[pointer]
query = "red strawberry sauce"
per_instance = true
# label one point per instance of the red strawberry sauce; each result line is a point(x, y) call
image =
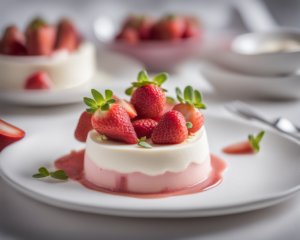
point(72, 164)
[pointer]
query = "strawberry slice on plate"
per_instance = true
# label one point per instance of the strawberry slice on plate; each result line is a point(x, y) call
point(247, 147)
point(84, 126)
point(39, 80)
point(110, 119)
point(190, 105)
point(9, 134)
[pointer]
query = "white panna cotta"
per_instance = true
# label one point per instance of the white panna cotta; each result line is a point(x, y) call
point(131, 168)
point(66, 70)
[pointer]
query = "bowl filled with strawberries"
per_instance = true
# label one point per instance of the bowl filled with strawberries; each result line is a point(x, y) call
point(45, 57)
point(160, 44)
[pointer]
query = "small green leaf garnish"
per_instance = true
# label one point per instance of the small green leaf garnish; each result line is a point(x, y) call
point(99, 102)
point(144, 144)
point(189, 125)
point(190, 97)
point(143, 80)
point(255, 141)
point(170, 100)
point(43, 172)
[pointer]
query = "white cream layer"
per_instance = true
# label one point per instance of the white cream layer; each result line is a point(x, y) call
point(65, 70)
point(126, 158)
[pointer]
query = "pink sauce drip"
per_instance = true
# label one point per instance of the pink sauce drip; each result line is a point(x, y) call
point(72, 164)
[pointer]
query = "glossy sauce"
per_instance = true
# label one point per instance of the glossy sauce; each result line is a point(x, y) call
point(72, 164)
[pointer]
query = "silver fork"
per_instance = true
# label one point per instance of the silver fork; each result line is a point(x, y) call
point(282, 124)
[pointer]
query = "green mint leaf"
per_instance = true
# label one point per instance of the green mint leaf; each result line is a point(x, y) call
point(197, 97)
point(110, 101)
point(129, 91)
point(189, 125)
point(200, 105)
point(90, 102)
point(254, 143)
point(105, 107)
point(189, 93)
point(160, 78)
point(144, 144)
point(259, 136)
point(97, 96)
point(90, 110)
point(39, 175)
point(108, 94)
point(43, 171)
point(59, 174)
point(143, 76)
point(143, 138)
point(170, 100)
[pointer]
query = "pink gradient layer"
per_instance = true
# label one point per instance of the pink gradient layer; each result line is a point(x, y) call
point(142, 183)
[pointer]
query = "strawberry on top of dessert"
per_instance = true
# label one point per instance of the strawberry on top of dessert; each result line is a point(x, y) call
point(13, 42)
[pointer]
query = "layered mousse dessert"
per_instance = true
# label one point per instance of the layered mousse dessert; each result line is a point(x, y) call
point(146, 146)
point(45, 57)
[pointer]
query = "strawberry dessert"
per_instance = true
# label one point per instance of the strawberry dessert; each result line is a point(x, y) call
point(45, 57)
point(142, 148)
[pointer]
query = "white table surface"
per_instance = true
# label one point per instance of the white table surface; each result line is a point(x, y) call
point(25, 218)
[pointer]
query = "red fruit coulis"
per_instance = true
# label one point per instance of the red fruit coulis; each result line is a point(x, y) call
point(72, 164)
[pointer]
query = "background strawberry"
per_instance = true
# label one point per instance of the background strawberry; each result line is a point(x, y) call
point(84, 126)
point(67, 36)
point(144, 127)
point(129, 35)
point(110, 119)
point(9, 134)
point(40, 38)
point(39, 80)
point(148, 99)
point(13, 42)
point(171, 129)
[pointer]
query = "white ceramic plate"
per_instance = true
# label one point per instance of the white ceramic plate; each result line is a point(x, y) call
point(250, 182)
point(239, 85)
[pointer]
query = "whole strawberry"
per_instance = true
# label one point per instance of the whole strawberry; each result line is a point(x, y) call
point(67, 36)
point(110, 119)
point(128, 35)
point(84, 126)
point(148, 99)
point(9, 134)
point(190, 105)
point(142, 24)
point(13, 42)
point(170, 27)
point(171, 129)
point(192, 28)
point(144, 127)
point(40, 38)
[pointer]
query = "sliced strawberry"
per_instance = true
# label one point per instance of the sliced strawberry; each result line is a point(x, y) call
point(13, 42)
point(39, 80)
point(84, 125)
point(110, 119)
point(192, 115)
point(128, 107)
point(168, 107)
point(239, 148)
point(129, 35)
point(67, 36)
point(40, 38)
point(171, 129)
point(9, 134)
point(144, 127)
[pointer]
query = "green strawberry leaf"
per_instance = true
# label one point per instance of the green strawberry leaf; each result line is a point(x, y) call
point(254, 143)
point(90, 102)
point(59, 174)
point(129, 91)
point(200, 105)
point(189, 93)
point(170, 100)
point(165, 90)
point(43, 171)
point(108, 94)
point(97, 96)
point(142, 76)
point(197, 97)
point(189, 125)
point(160, 78)
point(39, 175)
point(111, 101)
point(105, 107)
point(143, 138)
point(90, 110)
point(259, 136)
